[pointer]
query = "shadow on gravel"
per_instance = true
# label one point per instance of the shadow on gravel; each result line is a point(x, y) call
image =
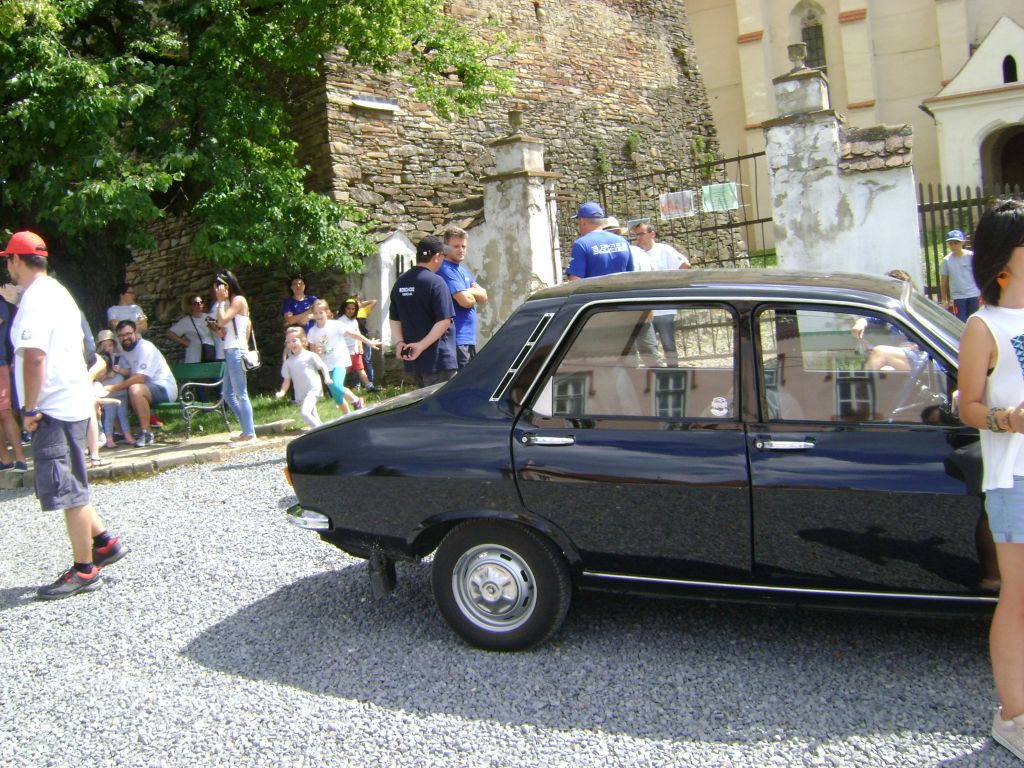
point(651, 668)
point(13, 597)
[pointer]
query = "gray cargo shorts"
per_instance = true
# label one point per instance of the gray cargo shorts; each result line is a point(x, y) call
point(58, 452)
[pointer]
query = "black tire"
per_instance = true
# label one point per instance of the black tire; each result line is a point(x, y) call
point(501, 586)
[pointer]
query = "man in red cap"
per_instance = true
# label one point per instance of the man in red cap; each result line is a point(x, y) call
point(57, 400)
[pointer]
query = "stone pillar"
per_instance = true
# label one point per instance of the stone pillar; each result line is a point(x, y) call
point(842, 199)
point(514, 251)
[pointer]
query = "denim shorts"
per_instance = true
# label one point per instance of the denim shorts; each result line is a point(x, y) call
point(1005, 508)
point(158, 393)
point(58, 451)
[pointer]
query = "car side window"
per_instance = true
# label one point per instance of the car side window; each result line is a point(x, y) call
point(664, 363)
point(847, 366)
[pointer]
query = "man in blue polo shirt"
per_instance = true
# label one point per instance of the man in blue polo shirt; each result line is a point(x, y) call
point(421, 317)
point(597, 252)
point(466, 293)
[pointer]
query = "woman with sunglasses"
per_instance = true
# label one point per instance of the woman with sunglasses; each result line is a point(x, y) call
point(193, 333)
point(232, 313)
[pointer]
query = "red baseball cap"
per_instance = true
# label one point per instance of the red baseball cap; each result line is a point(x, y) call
point(25, 243)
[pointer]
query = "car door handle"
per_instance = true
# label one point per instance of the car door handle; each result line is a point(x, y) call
point(547, 440)
point(782, 445)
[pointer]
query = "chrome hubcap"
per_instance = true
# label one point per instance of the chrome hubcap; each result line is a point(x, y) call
point(494, 587)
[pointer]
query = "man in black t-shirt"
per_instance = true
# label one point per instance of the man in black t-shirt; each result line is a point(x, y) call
point(421, 317)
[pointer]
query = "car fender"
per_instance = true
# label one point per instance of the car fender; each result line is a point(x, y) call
point(425, 538)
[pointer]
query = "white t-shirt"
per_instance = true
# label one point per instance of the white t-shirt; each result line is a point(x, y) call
point(194, 329)
point(236, 332)
point(335, 343)
point(146, 359)
point(351, 324)
point(303, 369)
point(641, 259)
point(120, 312)
point(48, 319)
point(664, 256)
point(218, 342)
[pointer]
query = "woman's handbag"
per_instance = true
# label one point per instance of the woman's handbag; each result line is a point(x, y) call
point(251, 356)
point(251, 359)
point(208, 352)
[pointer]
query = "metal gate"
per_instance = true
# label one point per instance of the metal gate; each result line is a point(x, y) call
point(943, 208)
point(717, 212)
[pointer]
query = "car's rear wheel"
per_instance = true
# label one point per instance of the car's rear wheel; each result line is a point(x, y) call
point(500, 586)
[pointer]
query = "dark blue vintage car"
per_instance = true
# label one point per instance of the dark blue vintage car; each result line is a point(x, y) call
point(718, 434)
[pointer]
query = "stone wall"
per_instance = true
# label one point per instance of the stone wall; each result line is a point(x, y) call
point(166, 276)
point(590, 76)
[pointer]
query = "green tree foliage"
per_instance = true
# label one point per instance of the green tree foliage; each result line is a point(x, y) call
point(117, 112)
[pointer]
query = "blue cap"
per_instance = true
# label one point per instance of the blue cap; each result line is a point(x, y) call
point(590, 211)
point(955, 234)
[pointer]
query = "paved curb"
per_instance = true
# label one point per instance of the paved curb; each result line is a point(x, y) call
point(129, 462)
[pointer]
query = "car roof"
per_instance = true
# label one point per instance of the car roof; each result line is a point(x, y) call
point(763, 282)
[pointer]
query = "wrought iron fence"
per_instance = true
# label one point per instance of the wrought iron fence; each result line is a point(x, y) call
point(944, 208)
point(718, 213)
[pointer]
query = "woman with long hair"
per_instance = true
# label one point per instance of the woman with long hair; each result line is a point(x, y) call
point(991, 381)
point(233, 318)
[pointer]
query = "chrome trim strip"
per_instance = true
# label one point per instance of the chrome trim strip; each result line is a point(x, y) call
point(786, 590)
point(729, 298)
point(517, 362)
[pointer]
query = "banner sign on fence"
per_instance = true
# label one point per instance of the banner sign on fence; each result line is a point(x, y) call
point(720, 197)
point(674, 205)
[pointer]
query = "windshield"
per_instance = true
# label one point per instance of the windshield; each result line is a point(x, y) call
point(935, 317)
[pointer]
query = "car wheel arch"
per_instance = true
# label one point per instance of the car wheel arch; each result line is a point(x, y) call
point(429, 533)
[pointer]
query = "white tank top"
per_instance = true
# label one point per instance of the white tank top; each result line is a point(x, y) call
point(236, 333)
point(1004, 388)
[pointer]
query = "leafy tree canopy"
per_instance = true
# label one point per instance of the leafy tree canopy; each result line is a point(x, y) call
point(116, 112)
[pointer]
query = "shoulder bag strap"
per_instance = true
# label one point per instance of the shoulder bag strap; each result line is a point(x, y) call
point(252, 332)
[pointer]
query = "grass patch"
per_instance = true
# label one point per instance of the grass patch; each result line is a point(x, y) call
point(266, 409)
point(763, 259)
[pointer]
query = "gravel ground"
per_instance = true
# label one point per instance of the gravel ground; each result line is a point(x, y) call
point(229, 637)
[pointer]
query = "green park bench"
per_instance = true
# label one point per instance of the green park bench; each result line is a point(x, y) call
point(192, 379)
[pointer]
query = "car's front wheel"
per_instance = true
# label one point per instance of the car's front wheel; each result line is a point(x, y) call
point(501, 586)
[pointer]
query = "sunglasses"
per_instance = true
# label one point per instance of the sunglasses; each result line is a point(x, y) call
point(197, 302)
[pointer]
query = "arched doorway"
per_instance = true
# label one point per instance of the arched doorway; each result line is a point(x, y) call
point(1003, 157)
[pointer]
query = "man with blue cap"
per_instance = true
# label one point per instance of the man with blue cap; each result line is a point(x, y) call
point(596, 251)
point(957, 277)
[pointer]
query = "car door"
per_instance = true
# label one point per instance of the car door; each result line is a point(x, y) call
point(635, 450)
point(858, 483)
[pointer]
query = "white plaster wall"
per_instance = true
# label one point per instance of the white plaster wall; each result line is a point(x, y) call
point(395, 256)
point(964, 126)
point(886, 232)
point(985, 68)
point(827, 221)
point(976, 104)
point(510, 254)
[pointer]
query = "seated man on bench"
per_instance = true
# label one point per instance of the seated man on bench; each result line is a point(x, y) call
point(148, 378)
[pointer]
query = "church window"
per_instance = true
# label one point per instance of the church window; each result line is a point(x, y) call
point(1009, 70)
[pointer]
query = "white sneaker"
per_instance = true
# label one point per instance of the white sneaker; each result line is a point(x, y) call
point(1009, 733)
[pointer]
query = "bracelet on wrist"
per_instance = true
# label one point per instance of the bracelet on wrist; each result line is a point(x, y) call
point(993, 422)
